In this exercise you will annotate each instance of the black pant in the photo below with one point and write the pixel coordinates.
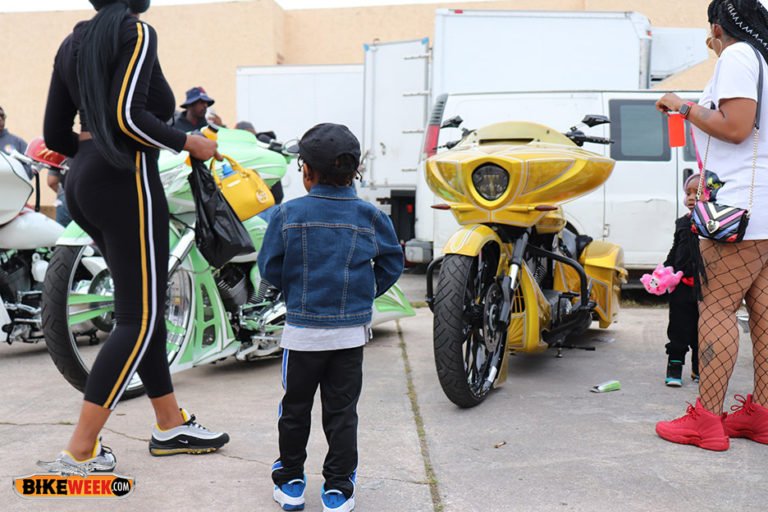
(126, 214)
(339, 373)
(683, 329)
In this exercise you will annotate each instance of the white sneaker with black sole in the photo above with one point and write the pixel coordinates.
(102, 460)
(189, 437)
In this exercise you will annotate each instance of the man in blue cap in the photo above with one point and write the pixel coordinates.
(193, 117)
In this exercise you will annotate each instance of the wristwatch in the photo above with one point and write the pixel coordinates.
(685, 108)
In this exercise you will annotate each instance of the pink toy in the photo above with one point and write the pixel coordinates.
(663, 280)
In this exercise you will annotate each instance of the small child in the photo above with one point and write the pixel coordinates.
(331, 254)
(683, 329)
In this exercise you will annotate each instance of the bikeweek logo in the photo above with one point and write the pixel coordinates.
(51, 485)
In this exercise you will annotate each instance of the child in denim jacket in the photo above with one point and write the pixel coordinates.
(331, 254)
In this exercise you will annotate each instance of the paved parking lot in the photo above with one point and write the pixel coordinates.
(542, 442)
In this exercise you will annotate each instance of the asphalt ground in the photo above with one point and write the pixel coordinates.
(541, 442)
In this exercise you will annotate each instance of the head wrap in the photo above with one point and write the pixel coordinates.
(745, 20)
(137, 6)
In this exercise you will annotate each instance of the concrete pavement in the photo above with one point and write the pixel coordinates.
(542, 442)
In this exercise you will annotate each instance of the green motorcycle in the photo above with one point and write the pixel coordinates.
(211, 313)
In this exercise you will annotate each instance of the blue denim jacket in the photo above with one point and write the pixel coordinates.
(331, 253)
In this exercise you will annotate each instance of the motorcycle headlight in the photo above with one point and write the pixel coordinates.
(490, 181)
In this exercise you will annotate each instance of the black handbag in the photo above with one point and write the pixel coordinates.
(219, 234)
(719, 222)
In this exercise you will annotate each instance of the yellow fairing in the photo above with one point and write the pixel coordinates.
(526, 322)
(544, 168)
(603, 263)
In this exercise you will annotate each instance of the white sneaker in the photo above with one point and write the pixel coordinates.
(102, 461)
(189, 437)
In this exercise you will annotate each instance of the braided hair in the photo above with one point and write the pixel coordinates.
(743, 20)
(98, 52)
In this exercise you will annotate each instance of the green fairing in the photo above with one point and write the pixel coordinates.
(238, 144)
(394, 301)
(74, 235)
(208, 316)
(256, 227)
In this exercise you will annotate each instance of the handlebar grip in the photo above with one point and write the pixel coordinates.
(598, 140)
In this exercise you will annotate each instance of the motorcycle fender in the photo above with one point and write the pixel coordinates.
(469, 240)
(73, 236)
(604, 264)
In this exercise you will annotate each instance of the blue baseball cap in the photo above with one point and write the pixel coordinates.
(196, 94)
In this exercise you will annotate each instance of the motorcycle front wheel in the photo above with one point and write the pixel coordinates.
(466, 367)
(78, 307)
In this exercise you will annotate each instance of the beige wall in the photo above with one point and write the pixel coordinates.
(204, 44)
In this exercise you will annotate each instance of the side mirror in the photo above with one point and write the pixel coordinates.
(595, 120)
(453, 122)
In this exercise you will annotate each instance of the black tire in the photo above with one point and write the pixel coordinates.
(62, 344)
(455, 334)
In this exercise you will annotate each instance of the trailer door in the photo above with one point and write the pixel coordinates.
(395, 109)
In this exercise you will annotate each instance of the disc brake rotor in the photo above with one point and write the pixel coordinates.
(493, 326)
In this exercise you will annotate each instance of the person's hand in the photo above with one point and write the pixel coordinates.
(215, 119)
(201, 147)
(670, 102)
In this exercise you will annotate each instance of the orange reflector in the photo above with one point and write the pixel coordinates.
(441, 206)
(545, 208)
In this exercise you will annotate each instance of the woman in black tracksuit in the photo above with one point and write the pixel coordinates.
(107, 72)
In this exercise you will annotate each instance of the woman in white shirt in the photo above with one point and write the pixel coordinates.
(724, 121)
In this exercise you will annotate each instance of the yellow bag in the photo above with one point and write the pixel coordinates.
(245, 191)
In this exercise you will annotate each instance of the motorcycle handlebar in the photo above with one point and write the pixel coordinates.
(22, 158)
(598, 140)
(579, 138)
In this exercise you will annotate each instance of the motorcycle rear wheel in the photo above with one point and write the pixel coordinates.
(77, 312)
(465, 367)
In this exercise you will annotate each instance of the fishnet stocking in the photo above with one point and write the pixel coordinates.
(757, 304)
(734, 271)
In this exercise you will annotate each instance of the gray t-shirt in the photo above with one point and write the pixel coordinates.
(310, 339)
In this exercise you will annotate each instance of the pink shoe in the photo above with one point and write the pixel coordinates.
(698, 427)
(750, 420)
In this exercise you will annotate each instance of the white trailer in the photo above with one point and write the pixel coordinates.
(291, 99)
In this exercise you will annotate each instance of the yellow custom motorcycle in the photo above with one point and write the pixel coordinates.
(515, 277)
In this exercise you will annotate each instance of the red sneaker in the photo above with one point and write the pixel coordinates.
(698, 427)
(749, 420)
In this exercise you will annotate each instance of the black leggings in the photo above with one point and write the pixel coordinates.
(126, 214)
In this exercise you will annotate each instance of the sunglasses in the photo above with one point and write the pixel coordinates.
(300, 163)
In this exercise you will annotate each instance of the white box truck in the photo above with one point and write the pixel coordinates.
(289, 100)
(482, 51)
